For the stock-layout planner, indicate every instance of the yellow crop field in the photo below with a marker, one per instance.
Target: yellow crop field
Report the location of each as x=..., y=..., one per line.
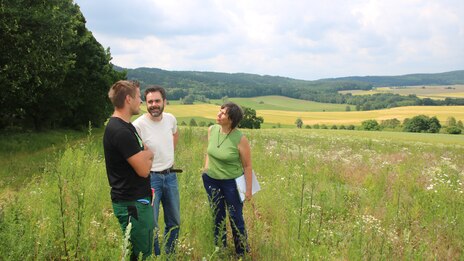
x=352, y=117
x=356, y=117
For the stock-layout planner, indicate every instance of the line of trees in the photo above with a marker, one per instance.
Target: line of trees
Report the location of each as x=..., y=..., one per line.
x=419, y=123
x=53, y=71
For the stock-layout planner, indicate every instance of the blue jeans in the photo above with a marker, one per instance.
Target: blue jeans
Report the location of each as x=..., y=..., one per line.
x=223, y=194
x=166, y=192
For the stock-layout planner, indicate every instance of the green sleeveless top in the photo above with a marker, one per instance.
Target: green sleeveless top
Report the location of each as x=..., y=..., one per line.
x=223, y=155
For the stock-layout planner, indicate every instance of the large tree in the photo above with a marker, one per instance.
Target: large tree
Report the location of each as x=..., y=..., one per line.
x=44, y=44
x=250, y=120
x=85, y=89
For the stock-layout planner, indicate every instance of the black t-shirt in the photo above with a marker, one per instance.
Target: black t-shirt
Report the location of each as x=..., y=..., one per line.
x=120, y=143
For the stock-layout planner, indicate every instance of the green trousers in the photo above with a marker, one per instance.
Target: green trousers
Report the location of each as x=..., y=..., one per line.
x=141, y=216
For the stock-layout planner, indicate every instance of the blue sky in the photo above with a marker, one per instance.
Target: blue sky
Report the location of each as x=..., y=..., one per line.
x=306, y=40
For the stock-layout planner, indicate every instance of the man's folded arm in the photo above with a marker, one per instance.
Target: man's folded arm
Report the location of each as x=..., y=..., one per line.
x=141, y=162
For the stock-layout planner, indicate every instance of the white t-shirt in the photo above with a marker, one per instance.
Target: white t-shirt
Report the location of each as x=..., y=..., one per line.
x=158, y=136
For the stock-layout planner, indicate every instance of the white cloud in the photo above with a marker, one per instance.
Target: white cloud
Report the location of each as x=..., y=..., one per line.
x=298, y=39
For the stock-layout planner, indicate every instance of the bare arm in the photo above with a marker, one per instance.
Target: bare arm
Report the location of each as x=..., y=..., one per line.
x=141, y=162
x=175, y=137
x=245, y=156
x=205, y=168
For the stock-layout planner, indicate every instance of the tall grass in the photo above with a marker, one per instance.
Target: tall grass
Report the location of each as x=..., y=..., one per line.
x=324, y=196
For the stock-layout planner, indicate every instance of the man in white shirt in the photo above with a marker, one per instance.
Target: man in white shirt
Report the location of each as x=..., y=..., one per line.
x=159, y=132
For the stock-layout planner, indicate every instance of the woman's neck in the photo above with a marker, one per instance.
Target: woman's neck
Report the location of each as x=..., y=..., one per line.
x=226, y=129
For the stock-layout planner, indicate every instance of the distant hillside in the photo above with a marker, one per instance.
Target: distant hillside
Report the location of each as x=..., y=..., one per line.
x=195, y=85
x=446, y=78
x=192, y=79
x=216, y=85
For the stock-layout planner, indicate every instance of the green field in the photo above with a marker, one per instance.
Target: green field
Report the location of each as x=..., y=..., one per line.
x=344, y=195
x=280, y=103
x=439, y=92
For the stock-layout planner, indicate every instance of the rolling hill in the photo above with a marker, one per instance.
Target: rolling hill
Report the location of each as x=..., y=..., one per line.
x=190, y=79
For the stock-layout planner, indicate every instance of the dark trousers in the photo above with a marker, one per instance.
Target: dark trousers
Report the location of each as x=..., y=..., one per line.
x=223, y=194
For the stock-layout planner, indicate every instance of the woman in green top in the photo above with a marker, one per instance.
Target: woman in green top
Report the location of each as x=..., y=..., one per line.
x=228, y=157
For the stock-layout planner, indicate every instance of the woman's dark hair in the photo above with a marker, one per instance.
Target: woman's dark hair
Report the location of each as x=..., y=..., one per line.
x=234, y=112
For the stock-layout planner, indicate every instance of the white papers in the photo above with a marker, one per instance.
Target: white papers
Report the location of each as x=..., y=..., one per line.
x=241, y=185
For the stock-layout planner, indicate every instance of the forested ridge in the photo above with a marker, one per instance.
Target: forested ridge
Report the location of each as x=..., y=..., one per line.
x=54, y=73
x=195, y=85
x=445, y=78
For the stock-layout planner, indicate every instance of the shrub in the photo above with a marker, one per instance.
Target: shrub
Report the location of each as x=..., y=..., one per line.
x=390, y=123
x=370, y=125
x=453, y=130
x=193, y=123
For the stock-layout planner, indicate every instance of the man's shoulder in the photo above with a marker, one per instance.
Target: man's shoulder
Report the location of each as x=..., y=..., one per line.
x=140, y=120
x=114, y=124
x=169, y=118
x=169, y=115
x=115, y=129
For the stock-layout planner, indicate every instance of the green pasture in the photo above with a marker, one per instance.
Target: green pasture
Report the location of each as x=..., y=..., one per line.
x=345, y=195
x=281, y=103
x=434, y=92
x=277, y=103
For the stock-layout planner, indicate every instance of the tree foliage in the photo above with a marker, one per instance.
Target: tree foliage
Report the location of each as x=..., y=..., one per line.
x=451, y=121
x=390, y=123
x=453, y=130
x=250, y=120
x=53, y=71
x=370, y=125
x=422, y=123
x=193, y=122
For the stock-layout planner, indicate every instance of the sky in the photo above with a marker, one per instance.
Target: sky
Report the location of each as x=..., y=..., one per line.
x=306, y=40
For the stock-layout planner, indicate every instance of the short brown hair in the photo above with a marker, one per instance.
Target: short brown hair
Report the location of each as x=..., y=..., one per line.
x=120, y=90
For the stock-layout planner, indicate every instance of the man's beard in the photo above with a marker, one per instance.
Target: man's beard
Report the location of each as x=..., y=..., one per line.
x=156, y=113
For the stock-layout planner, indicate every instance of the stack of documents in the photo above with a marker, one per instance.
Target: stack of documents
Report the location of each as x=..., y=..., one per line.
x=241, y=185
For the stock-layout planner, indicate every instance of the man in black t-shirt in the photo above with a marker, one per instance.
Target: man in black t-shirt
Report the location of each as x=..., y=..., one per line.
x=128, y=164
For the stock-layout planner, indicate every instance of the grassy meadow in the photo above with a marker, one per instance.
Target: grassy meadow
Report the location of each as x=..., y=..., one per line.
x=326, y=195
